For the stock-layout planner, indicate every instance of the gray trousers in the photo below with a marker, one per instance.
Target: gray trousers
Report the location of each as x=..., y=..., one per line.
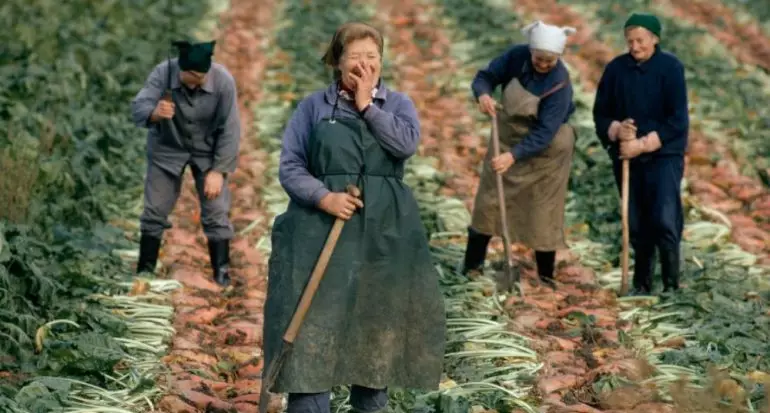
x=161, y=191
x=362, y=399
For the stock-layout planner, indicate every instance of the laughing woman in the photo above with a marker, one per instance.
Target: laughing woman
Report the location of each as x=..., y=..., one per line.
x=377, y=319
x=536, y=145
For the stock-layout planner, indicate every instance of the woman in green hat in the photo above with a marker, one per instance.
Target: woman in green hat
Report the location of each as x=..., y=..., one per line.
x=641, y=114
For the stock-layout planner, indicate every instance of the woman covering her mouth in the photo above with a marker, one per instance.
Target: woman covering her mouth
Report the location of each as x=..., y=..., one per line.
x=377, y=319
x=536, y=145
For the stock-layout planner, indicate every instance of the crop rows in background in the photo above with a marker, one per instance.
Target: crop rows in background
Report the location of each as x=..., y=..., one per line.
x=756, y=10
x=70, y=189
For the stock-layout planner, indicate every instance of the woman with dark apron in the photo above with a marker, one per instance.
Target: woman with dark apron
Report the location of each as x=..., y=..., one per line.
x=536, y=146
x=377, y=319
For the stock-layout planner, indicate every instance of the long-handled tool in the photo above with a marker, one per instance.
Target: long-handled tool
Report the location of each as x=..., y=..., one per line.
x=624, y=219
x=304, y=305
x=512, y=275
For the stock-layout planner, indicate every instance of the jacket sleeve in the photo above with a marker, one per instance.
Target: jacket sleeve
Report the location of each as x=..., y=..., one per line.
x=676, y=110
x=293, y=173
x=228, y=129
x=398, y=132
x=149, y=95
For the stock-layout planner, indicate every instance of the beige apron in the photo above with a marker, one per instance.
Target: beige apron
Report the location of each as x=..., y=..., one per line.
x=535, y=189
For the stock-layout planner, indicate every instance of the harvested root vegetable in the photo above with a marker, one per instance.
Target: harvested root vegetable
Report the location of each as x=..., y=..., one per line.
x=626, y=398
x=552, y=384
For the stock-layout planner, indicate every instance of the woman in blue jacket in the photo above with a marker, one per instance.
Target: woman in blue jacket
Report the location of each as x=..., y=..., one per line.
x=536, y=145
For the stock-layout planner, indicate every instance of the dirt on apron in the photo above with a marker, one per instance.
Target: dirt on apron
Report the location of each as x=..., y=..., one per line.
x=535, y=189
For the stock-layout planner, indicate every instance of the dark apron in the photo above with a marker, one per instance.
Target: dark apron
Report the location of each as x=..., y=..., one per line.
x=377, y=319
x=535, y=189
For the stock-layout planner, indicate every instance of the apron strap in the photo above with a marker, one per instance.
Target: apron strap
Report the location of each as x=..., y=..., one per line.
x=559, y=86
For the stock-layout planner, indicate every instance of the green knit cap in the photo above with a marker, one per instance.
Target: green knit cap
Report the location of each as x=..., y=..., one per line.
x=646, y=20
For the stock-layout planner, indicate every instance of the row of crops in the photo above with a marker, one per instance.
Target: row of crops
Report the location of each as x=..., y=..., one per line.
x=73, y=336
x=751, y=10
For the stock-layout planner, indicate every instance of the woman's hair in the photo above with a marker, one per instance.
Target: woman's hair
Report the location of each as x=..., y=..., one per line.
x=346, y=34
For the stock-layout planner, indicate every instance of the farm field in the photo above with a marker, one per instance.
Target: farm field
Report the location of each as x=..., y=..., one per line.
x=80, y=333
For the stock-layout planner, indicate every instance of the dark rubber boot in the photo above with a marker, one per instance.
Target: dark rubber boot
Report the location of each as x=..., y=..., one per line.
x=149, y=247
x=219, y=253
x=644, y=267
x=475, y=251
x=669, y=268
x=546, y=261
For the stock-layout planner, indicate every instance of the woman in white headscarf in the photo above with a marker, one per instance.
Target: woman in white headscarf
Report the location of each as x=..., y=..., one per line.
x=536, y=146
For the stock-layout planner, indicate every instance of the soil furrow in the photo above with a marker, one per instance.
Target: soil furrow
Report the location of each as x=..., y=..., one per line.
x=745, y=40
x=448, y=131
x=743, y=201
x=575, y=353
x=214, y=363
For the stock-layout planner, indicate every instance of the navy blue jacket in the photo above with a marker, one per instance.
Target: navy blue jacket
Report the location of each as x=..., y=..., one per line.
x=553, y=111
x=653, y=94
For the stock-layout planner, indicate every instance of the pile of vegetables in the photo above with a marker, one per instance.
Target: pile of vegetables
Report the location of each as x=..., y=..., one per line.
x=76, y=333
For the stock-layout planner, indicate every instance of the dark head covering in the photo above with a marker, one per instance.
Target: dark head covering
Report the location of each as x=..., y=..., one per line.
x=646, y=20
x=195, y=56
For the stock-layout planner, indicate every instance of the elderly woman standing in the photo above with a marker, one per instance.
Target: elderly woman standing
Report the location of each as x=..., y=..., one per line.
x=536, y=145
x=641, y=114
x=377, y=319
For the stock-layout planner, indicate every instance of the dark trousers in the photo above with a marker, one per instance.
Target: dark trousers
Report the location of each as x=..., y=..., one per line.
x=362, y=399
x=161, y=192
x=655, y=215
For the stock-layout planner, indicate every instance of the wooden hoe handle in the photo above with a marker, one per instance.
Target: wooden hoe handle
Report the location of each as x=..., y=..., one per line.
x=318, y=274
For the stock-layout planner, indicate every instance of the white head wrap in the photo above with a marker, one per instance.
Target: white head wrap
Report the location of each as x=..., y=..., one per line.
x=547, y=37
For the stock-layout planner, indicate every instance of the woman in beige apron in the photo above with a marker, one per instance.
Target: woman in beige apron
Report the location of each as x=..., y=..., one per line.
x=536, y=146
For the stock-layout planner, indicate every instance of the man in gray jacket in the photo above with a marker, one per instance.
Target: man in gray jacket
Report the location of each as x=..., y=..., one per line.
x=189, y=106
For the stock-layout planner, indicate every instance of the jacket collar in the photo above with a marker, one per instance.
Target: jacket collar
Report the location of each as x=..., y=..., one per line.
x=644, y=66
x=208, y=85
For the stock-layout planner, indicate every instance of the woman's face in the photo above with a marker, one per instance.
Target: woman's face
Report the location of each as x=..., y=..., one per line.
x=543, y=61
x=360, y=52
x=641, y=43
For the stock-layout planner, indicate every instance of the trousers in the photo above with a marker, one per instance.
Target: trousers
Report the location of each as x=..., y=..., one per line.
x=161, y=192
x=655, y=212
x=362, y=399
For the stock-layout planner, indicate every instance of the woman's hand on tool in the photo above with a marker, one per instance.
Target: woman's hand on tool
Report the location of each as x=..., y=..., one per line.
x=487, y=105
x=627, y=130
x=164, y=110
x=502, y=162
x=340, y=204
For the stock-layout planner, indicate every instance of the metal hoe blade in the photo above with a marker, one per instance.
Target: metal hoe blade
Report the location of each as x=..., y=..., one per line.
x=272, y=375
